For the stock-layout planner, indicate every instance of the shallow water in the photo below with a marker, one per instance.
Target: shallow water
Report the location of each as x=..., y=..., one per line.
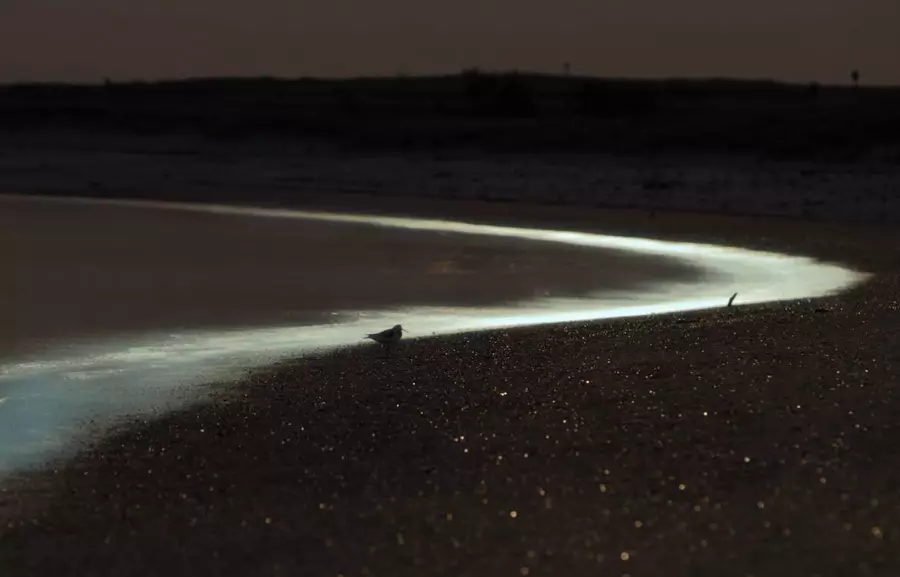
x=96, y=358
x=74, y=272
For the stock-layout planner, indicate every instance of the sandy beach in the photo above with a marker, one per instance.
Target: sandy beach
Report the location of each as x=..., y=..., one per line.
x=750, y=441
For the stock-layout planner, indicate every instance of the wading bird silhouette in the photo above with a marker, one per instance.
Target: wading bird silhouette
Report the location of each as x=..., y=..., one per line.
x=388, y=338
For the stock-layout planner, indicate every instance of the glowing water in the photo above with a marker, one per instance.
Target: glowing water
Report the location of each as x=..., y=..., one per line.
x=41, y=401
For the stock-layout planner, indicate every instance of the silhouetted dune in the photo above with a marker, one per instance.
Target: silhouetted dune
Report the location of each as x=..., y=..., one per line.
x=496, y=111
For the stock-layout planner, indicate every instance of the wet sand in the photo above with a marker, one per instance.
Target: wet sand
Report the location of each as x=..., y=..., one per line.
x=75, y=273
x=754, y=441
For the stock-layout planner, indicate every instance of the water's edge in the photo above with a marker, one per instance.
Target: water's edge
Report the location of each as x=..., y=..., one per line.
x=41, y=401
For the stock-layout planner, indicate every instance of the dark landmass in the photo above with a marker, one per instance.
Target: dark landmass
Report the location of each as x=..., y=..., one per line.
x=717, y=146
x=745, y=441
x=511, y=112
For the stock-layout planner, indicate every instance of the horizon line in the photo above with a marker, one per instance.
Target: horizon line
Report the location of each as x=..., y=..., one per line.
x=408, y=77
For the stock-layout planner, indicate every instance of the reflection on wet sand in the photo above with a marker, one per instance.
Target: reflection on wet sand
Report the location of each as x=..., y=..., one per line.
x=115, y=372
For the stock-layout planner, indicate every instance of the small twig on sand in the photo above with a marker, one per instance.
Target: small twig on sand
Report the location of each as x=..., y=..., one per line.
x=731, y=300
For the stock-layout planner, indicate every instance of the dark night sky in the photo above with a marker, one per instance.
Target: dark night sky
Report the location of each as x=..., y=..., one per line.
x=800, y=40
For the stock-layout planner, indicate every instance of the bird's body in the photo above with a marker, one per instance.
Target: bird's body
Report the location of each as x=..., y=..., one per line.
x=388, y=338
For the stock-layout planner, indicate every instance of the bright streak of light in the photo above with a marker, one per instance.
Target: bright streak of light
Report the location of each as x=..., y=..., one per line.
x=120, y=377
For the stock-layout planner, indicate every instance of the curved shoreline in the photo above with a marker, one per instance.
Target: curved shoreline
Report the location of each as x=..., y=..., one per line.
x=198, y=356
x=756, y=276
x=759, y=440
x=715, y=258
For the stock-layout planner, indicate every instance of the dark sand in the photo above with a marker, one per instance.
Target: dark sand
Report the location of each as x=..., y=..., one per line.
x=753, y=441
x=78, y=272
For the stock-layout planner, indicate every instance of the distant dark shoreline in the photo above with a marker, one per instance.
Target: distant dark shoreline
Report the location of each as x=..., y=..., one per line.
x=517, y=112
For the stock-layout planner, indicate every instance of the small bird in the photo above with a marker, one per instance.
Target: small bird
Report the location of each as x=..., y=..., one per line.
x=388, y=338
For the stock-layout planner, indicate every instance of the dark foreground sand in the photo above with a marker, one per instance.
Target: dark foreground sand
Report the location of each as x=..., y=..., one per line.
x=754, y=441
